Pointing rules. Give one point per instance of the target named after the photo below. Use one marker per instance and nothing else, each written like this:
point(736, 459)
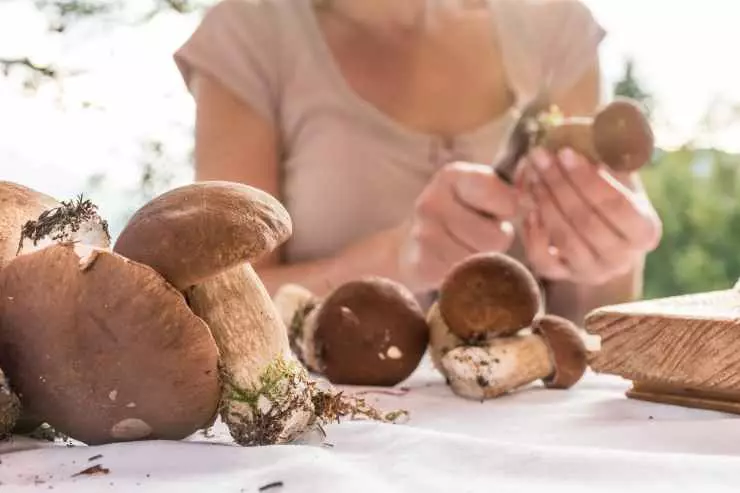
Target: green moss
point(286, 403)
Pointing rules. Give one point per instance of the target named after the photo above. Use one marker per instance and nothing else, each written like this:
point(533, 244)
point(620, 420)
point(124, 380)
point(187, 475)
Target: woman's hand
point(588, 226)
point(465, 209)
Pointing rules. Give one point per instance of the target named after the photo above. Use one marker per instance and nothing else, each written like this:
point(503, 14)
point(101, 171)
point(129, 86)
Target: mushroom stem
point(10, 408)
point(498, 366)
point(267, 395)
point(298, 308)
point(441, 338)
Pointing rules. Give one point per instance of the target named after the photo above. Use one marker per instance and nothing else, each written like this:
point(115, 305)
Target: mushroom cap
point(19, 205)
point(370, 331)
point(197, 231)
point(623, 136)
point(488, 295)
point(103, 349)
point(567, 350)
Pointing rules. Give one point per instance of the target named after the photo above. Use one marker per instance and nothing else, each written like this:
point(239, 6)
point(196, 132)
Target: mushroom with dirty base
point(370, 331)
point(203, 238)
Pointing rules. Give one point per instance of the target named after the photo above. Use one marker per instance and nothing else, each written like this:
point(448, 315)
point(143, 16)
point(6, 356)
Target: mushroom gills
point(495, 368)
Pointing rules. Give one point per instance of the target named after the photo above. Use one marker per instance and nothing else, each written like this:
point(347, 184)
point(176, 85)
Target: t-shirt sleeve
point(235, 43)
point(547, 44)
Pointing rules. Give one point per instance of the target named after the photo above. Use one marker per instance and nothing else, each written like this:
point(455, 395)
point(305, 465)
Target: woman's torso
point(357, 149)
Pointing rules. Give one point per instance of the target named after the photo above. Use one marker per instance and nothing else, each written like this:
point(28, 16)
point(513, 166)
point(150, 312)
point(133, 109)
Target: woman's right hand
point(465, 209)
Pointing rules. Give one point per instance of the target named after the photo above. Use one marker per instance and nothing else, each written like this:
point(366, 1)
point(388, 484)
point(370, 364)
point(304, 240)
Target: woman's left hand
point(586, 225)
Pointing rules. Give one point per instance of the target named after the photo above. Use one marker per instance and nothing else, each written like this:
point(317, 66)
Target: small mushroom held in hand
point(553, 352)
point(619, 135)
point(370, 331)
point(485, 296)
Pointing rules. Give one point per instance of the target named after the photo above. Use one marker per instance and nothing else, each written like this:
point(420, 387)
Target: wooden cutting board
point(682, 350)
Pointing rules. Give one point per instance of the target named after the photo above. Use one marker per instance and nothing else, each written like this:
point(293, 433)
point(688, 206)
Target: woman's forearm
point(372, 256)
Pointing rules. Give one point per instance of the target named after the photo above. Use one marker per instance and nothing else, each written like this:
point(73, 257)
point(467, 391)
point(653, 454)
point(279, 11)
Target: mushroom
point(203, 238)
point(619, 135)
point(554, 352)
point(10, 408)
point(370, 331)
point(18, 205)
point(31, 220)
point(485, 296)
point(103, 349)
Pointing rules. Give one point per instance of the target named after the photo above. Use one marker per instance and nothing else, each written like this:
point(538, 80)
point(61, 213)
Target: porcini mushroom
point(103, 349)
point(619, 135)
point(370, 331)
point(30, 220)
point(203, 238)
point(10, 407)
point(554, 352)
point(485, 296)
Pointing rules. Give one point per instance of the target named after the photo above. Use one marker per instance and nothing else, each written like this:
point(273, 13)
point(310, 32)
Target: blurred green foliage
point(695, 192)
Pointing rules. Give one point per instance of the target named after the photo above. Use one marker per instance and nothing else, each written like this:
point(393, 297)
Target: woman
point(376, 123)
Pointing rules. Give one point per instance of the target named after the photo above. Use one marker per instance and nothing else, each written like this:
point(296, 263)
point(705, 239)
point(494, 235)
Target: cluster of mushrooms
point(156, 335)
point(487, 332)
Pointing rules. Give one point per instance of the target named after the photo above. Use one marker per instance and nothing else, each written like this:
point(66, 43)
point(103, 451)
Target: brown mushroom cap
point(18, 205)
point(623, 136)
point(567, 349)
point(488, 294)
point(197, 231)
point(371, 331)
point(104, 349)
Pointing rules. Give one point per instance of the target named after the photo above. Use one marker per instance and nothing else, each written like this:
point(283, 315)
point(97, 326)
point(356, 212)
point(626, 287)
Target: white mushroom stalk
point(298, 308)
point(73, 221)
point(497, 367)
point(267, 396)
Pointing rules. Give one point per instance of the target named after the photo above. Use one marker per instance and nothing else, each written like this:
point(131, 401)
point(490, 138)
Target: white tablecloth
point(590, 438)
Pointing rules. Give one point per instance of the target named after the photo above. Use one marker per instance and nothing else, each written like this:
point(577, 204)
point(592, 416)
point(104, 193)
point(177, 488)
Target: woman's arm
point(232, 142)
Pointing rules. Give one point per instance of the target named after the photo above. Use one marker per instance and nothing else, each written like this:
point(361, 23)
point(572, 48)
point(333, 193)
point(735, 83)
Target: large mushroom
point(103, 349)
point(31, 220)
point(370, 331)
point(203, 238)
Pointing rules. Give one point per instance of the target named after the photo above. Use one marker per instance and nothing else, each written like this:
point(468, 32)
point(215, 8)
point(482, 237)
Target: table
point(590, 438)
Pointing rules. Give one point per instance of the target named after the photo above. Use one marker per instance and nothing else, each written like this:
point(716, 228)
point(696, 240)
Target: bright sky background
point(685, 52)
